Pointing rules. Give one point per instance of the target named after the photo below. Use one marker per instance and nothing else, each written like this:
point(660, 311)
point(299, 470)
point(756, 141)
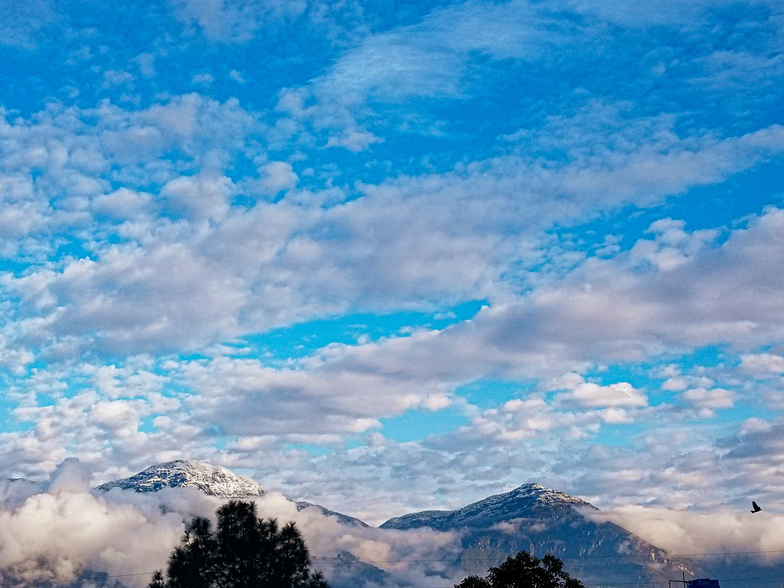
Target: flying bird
point(755, 507)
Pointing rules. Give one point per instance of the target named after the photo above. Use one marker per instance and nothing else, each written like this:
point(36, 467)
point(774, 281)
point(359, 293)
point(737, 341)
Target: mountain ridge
point(212, 480)
point(528, 499)
point(183, 473)
point(530, 517)
point(541, 520)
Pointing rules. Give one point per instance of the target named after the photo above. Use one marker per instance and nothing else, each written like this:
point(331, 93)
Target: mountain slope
point(212, 480)
point(529, 501)
point(539, 520)
point(182, 473)
point(344, 519)
point(346, 570)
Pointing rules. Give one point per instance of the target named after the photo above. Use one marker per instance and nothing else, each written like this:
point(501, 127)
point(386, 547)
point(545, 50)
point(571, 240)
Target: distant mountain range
point(540, 520)
point(531, 517)
point(459, 542)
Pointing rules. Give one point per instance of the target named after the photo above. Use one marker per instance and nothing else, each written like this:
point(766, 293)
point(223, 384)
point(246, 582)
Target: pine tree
point(243, 552)
point(525, 571)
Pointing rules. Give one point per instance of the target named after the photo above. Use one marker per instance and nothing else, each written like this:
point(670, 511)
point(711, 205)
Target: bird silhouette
point(755, 507)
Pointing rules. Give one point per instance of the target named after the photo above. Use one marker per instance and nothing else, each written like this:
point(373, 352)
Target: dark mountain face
point(539, 520)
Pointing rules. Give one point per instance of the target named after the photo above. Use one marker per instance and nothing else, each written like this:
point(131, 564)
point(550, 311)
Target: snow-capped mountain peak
point(209, 479)
point(528, 500)
point(212, 480)
point(540, 495)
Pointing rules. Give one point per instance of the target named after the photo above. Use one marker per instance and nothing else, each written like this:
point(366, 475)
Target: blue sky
point(420, 250)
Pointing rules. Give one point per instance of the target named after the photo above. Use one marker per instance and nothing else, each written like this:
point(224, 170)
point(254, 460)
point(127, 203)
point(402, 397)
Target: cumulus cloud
point(199, 197)
point(763, 364)
point(243, 397)
point(346, 389)
point(715, 295)
point(685, 532)
point(60, 531)
point(56, 534)
point(276, 263)
point(122, 203)
point(709, 400)
point(622, 308)
point(615, 395)
point(276, 176)
point(598, 313)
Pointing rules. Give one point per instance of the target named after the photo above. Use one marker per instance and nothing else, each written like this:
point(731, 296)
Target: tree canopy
point(525, 571)
point(243, 552)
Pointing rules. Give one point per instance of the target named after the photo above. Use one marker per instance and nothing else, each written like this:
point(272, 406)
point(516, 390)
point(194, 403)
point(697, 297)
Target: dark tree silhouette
point(525, 571)
point(243, 552)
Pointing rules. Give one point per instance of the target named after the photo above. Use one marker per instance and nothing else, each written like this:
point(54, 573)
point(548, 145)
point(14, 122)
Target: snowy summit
point(212, 480)
point(528, 500)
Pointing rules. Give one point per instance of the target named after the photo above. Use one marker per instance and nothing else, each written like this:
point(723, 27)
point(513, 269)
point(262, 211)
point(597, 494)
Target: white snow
point(212, 480)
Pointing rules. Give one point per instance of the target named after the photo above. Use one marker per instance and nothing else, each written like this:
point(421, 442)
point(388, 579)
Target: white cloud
point(243, 397)
point(201, 197)
point(56, 531)
point(614, 395)
point(122, 225)
point(276, 176)
point(763, 364)
point(237, 77)
point(685, 532)
point(713, 399)
point(56, 534)
point(277, 263)
point(606, 310)
point(353, 140)
point(122, 203)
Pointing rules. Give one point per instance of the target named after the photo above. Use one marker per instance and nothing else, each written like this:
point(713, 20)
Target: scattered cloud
point(22, 24)
point(230, 23)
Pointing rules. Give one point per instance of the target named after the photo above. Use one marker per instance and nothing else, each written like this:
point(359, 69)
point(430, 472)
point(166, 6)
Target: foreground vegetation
point(243, 552)
point(525, 571)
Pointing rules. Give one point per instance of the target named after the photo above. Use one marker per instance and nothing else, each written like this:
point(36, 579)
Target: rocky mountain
point(212, 480)
point(529, 501)
point(540, 521)
point(531, 517)
point(182, 473)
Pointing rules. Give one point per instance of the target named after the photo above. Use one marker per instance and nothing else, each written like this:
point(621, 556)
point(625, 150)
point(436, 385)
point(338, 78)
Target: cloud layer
point(62, 533)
